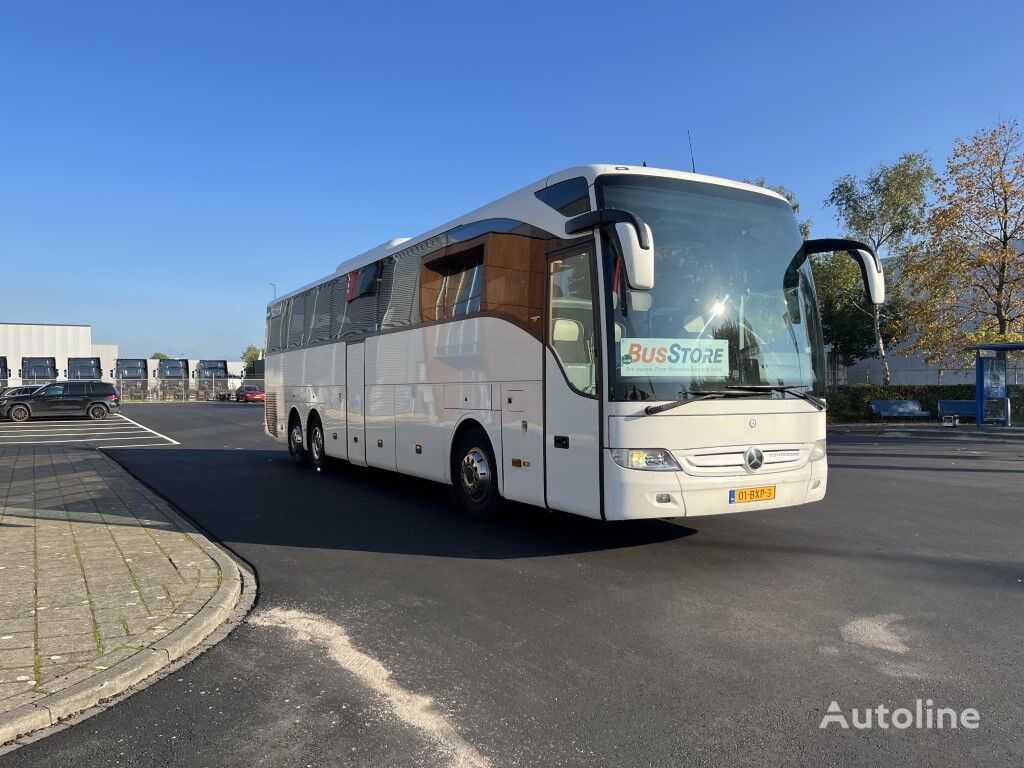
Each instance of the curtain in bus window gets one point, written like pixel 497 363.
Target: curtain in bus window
pixel 384 283
pixel 320 314
pixel 296 320
pixel 275 323
pixel 514 279
pixel 464 283
pixel 403 304
pixel 339 303
pixel 361 313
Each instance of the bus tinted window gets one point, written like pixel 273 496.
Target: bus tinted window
pixel 514 280
pixel 320 314
pixel 338 290
pixel 403 293
pixel 570 197
pixel 296 320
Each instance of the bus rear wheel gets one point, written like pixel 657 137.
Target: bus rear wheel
pixel 316 446
pixel 299 454
pixel 474 476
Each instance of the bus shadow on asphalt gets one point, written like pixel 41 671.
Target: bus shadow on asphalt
pixel 259 497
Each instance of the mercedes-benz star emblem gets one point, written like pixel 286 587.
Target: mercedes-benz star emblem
pixel 753 459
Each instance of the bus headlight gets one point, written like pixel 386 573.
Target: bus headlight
pixel 817 451
pixel 656 459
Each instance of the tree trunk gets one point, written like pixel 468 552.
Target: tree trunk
pixel 886 376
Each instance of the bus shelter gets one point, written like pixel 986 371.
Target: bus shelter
pixel 993 396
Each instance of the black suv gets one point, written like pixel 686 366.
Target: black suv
pixel 65 398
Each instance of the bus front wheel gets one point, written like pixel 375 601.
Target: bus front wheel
pixel 474 475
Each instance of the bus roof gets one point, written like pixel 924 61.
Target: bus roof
pixel 522 201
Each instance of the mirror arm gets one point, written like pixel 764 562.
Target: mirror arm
pixel 593 219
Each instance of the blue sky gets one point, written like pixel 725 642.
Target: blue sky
pixel 161 163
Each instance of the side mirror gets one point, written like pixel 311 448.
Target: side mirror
pixel 862 253
pixel 635 237
pixel 639 261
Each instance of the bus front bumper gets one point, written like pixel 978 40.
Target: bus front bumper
pixel 632 494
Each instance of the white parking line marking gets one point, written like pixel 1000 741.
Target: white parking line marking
pixel 70 432
pixel 412 708
pixel 63 440
pixel 165 437
pixel 115 428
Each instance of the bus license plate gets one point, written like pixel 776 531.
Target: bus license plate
pixel 743 495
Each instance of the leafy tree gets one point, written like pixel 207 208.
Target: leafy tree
pixel 887 209
pixel 968 283
pixel 847 317
pixel 251 354
pixel 159 356
pixel 805 224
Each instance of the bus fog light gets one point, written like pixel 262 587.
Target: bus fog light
pixel 815 484
pixel 663 498
pixel 656 459
pixel 817 450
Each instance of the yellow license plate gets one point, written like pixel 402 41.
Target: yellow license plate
pixel 743 495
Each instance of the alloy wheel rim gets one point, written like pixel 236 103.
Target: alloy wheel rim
pixel 318 444
pixel 296 439
pixel 476 474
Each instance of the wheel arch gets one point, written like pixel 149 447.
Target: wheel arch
pixel 464 425
pixel 293 416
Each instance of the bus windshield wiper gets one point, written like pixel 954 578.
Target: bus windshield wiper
pixel 650 410
pixel 817 402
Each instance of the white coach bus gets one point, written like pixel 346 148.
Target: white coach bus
pixel 612 341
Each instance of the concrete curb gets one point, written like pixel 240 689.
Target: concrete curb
pixel 120 678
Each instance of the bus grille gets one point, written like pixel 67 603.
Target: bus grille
pixel 270 413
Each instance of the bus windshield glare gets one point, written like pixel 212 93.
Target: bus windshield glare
pixel 722 311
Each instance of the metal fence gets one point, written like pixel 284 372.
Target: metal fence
pixel 190 390
pixel 171 390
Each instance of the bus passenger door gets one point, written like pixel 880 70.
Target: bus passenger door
pixel 571 383
pixel 354 403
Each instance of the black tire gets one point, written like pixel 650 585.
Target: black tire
pixel 96 412
pixel 317 457
pixel 475 477
pixel 295 449
pixel 19 413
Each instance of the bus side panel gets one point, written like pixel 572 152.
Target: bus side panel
pixel 380 400
pixel 318 384
pixel 335 435
pixel 273 386
pixel 354 413
pixel 291 375
pixel 419 446
pixel 522 439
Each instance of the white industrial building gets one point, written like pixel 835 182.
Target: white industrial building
pixel 20 341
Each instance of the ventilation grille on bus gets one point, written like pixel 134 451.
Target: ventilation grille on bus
pixel 270 412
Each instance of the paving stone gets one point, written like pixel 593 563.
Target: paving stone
pixel 84 548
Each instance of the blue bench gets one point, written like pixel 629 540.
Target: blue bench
pixel 898 409
pixel 967 409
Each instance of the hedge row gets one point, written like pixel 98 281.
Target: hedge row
pixel 850 403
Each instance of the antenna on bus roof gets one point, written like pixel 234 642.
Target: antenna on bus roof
pixel 693 165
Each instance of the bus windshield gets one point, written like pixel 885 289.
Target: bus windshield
pixel 726 308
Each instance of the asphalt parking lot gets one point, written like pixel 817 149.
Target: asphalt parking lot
pixel 116 430
pixel 555 641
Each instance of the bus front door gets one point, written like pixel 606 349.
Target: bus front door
pixel 571 389
pixel 354 391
